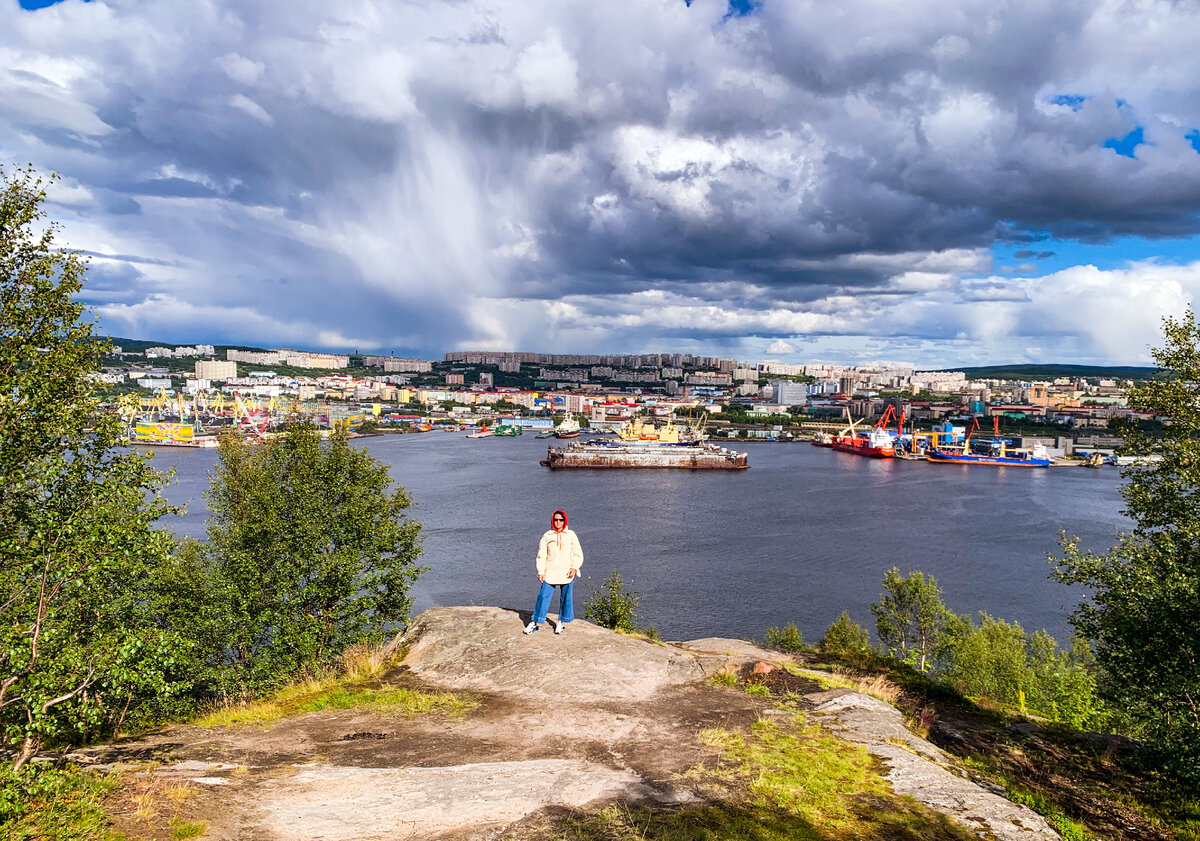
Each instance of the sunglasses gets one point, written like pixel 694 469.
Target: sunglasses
pixel 556 519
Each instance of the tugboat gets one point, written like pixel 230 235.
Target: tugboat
pixel 482 432
pixel 569 428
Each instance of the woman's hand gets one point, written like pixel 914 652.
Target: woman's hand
pixel 572 572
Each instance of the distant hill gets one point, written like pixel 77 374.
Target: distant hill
pixel 142 344
pixel 1049 372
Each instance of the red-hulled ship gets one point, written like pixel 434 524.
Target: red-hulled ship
pixel 878 443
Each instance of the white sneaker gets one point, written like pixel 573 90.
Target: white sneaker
pixel 558 626
pixel 530 628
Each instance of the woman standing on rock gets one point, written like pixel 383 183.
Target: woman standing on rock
pixel 559 558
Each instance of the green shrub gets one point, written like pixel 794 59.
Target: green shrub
pixel 910 617
pixel 787 639
pixel 846 639
pixel 987 660
pixel 310 551
pixel 612 607
pixel 1000 661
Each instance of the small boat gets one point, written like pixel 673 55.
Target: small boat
pixel 1126 461
pixel 822 439
pixel 482 432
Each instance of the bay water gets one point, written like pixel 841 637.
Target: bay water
pixel 803 534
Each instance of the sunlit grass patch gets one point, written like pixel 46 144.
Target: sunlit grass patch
pixel 54 803
pixel 187 829
pixel 876 685
pixel 725 677
pixel 800 769
pixel 341 694
pixel 785 779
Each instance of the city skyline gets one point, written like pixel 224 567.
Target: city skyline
pixel 943 184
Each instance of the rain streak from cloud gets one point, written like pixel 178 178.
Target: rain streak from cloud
pixel 838 181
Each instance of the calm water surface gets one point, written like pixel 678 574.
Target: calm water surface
pixel 803 534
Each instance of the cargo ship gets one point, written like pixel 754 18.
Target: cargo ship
pixel 161 434
pixel 997 456
pixel 878 443
pixel 994 451
pixel 699 456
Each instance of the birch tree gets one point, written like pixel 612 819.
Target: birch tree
pixel 77 650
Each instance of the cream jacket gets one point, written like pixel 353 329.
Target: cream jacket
pixel 558 553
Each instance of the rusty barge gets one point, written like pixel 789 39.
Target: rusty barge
pixel 699 456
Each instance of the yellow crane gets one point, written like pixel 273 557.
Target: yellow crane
pixel 129 406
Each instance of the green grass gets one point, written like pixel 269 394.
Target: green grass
pixel 185 829
pixel 726 679
pixel 798 769
pixel 337 694
pixel 52 804
pixel 783 781
pixel 1070 830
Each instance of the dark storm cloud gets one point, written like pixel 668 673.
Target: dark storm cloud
pixel 419 177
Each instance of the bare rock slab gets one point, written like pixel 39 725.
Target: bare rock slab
pixel 330 803
pixel 918 769
pixel 483 649
pixel 716 654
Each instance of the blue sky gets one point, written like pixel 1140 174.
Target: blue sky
pixel 1052 255
pixel 41 4
pixel 944 182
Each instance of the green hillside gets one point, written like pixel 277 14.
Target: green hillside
pixel 1051 371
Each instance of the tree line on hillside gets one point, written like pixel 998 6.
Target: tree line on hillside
pixel 977 656
pixel 108 624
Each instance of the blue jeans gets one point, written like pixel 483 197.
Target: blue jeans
pixel 566 610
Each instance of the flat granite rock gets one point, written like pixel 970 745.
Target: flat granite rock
pixel 483 649
pixel 919 769
pixel 328 803
pixel 718 654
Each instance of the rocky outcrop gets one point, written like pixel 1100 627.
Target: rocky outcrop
pixel 922 770
pixel 483 649
pixel 572 720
